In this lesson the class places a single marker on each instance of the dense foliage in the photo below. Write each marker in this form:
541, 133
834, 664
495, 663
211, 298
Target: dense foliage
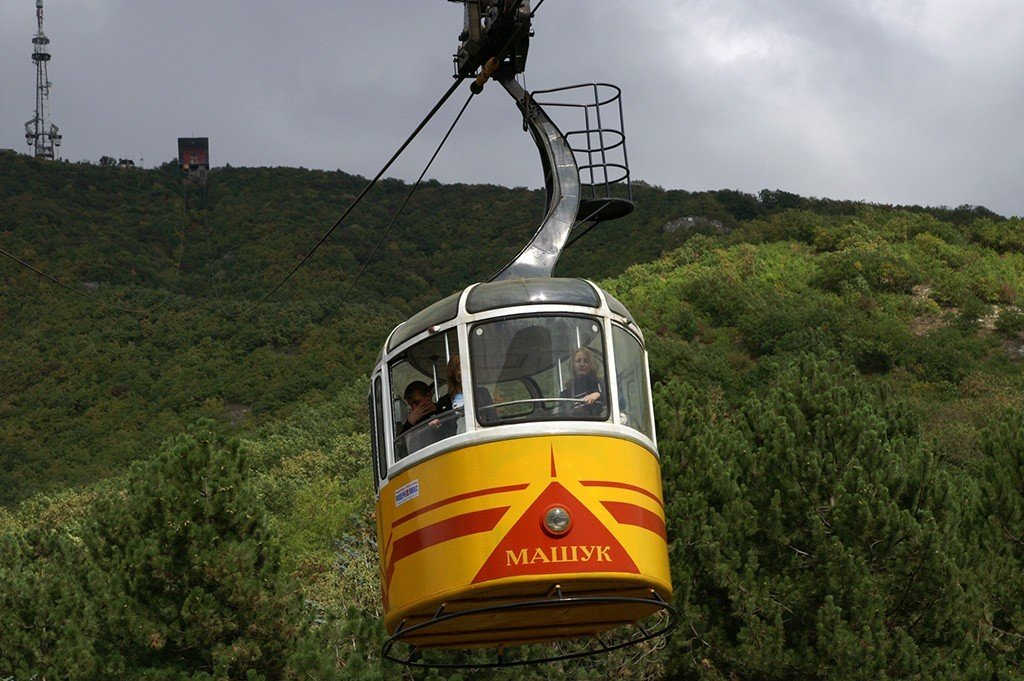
176, 576
838, 394
816, 535
177, 269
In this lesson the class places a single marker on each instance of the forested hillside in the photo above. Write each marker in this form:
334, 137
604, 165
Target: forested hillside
89, 387
838, 393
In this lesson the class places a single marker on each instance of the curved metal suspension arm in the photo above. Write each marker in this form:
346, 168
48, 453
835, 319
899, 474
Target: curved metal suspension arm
562, 180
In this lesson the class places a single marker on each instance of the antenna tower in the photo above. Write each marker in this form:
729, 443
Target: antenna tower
42, 135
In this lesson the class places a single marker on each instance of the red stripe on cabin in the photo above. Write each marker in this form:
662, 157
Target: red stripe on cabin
622, 485
631, 514
459, 497
442, 531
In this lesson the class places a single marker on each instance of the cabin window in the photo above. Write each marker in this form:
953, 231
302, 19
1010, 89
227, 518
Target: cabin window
377, 422
631, 382
419, 387
373, 440
540, 368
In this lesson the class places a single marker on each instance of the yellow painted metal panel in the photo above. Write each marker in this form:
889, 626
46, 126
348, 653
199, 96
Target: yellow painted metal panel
466, 527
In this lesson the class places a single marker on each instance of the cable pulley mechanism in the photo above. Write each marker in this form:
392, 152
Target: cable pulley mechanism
477, 86
493, 29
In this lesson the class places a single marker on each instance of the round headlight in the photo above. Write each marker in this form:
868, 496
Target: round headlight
557, 520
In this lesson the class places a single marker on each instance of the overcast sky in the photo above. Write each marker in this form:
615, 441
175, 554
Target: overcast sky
892, 101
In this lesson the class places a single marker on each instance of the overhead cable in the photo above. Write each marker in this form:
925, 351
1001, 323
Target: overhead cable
366, 189
574, 237
394, 157
66, 286
401, 208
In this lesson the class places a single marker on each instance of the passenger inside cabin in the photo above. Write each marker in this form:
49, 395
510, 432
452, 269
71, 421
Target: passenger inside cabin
456, 400
585, 386
421, 404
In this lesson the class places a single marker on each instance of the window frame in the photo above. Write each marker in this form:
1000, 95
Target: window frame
371, 413
645, 384
381, 460
397, 356
477, 432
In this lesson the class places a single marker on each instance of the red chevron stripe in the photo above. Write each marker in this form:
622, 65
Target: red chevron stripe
622, 485
458, 497
442, 531
631, 514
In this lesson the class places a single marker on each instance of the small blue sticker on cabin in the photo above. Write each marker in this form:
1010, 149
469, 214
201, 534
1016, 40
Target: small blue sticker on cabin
407, 492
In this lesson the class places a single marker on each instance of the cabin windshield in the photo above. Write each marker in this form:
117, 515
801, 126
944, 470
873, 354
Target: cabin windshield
539, 368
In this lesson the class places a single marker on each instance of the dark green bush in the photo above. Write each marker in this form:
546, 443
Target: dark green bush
813, 536
787, 323
721, 299
47, 615
1001, 235
970, 311
1002, 484
1010, 322
944, 354
882, 268
185, 575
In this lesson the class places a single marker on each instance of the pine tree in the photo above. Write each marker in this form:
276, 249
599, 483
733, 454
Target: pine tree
813, 535
185, 574
1003, 541
47, 626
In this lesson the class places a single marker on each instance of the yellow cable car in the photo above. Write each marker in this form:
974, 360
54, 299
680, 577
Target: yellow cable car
515, 458
531, 509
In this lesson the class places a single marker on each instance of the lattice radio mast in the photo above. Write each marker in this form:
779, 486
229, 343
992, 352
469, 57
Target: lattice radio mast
42, 135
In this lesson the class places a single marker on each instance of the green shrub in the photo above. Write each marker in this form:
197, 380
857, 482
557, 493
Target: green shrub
721, 299
951, 256
694, 361
1010, 322
781, 323
789, 225
884, 268
813, 535
48, 627
1001, 235
1003, 509
186, 574
944, 354
970, 312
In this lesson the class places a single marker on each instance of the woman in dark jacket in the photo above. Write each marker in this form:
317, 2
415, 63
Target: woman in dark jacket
585, 386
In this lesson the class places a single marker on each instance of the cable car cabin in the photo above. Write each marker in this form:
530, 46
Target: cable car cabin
530, 509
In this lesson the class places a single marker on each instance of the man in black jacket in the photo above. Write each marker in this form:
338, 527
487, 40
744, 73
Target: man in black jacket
421, 404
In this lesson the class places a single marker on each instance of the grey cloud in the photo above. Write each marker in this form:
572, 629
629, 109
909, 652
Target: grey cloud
906, 102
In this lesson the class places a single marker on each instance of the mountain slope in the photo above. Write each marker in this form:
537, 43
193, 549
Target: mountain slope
837, 388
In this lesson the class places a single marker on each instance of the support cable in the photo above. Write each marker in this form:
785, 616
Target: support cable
366, 189
444, 98
394, 219
58, 282
141, 312
573, 238
415, 186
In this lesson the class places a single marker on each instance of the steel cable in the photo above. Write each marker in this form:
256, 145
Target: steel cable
355, 202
